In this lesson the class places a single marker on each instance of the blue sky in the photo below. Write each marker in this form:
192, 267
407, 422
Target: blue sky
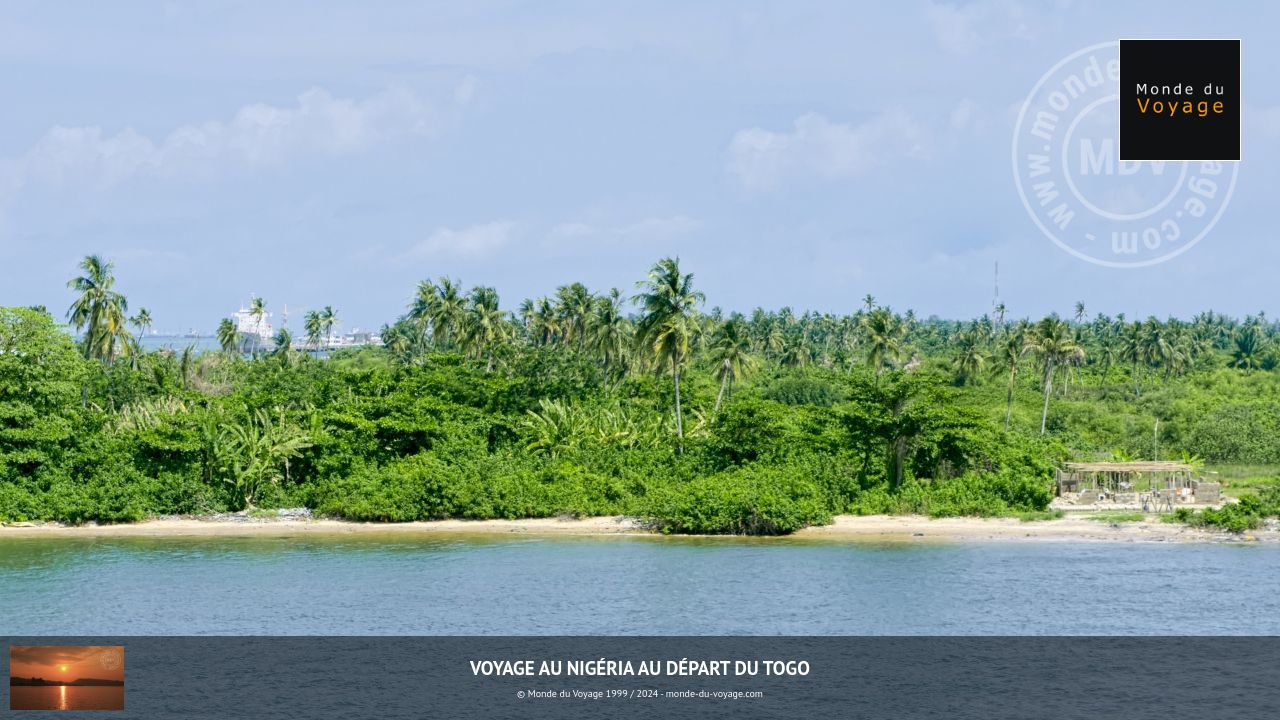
800, 154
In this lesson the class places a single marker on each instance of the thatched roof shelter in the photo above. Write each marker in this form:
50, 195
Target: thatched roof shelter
1140, 466
1125, 477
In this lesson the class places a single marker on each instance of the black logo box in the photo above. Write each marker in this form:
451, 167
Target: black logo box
1186, 67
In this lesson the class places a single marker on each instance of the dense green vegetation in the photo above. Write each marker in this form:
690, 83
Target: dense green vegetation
1248, 514
586, 404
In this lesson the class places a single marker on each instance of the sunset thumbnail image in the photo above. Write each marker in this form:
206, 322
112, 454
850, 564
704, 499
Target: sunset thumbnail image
66, 677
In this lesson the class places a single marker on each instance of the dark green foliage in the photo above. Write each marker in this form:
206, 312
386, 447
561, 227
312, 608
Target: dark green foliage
40, 391
557, 415
425, 487
749, 500
979, 494
750, 430
1248, 514
1245, 432
804, 390
543, 433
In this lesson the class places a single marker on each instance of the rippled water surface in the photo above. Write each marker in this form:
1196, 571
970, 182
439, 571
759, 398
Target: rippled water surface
66, 697
662, 586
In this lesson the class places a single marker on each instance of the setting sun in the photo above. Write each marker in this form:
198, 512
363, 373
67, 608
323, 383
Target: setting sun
66, 677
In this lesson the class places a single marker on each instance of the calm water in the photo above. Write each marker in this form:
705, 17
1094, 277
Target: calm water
63, 697
393, 585
178, 344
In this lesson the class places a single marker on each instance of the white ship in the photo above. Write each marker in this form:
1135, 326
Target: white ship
339, 341
254, 328
256, 332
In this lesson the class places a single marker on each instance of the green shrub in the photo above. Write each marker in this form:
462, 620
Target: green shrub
1248, 514
427, 487
748, 430
805, 391
978, 494
413, 488
742, 501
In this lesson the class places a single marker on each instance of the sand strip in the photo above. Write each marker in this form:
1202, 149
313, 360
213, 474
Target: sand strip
908, 528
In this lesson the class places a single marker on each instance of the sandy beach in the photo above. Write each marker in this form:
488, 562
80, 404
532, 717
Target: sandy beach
872, 528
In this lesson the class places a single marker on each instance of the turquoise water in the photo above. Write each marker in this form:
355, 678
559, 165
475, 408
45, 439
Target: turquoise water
178, 344
663, 586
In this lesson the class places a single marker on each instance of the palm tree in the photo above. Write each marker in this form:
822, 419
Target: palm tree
328, 318
574, 304
730, 353
185, 363
774, 342
608, 330
448, 313
313, 324
484, 324
396, 340
794, 353
1108, 350
421, 309
1158, 343
883, 333
1011, 350
970, 360
668, 304
541, 322
1134, 349
228, 336
283, 350
258, 311
99, 310
142, 321
1052, 341
1251, 347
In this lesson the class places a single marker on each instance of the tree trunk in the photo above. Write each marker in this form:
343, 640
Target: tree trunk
1008, 412
1048, 390
897, 448
899, 460
675, 374
724, 382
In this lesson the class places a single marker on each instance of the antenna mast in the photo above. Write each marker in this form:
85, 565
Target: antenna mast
995, 298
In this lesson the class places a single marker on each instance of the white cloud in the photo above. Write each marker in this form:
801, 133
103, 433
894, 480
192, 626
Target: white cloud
964, 115
954, 27
647, 229
257, 135
962, 28
476, 241
465, 91
817, 147
1264, 121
